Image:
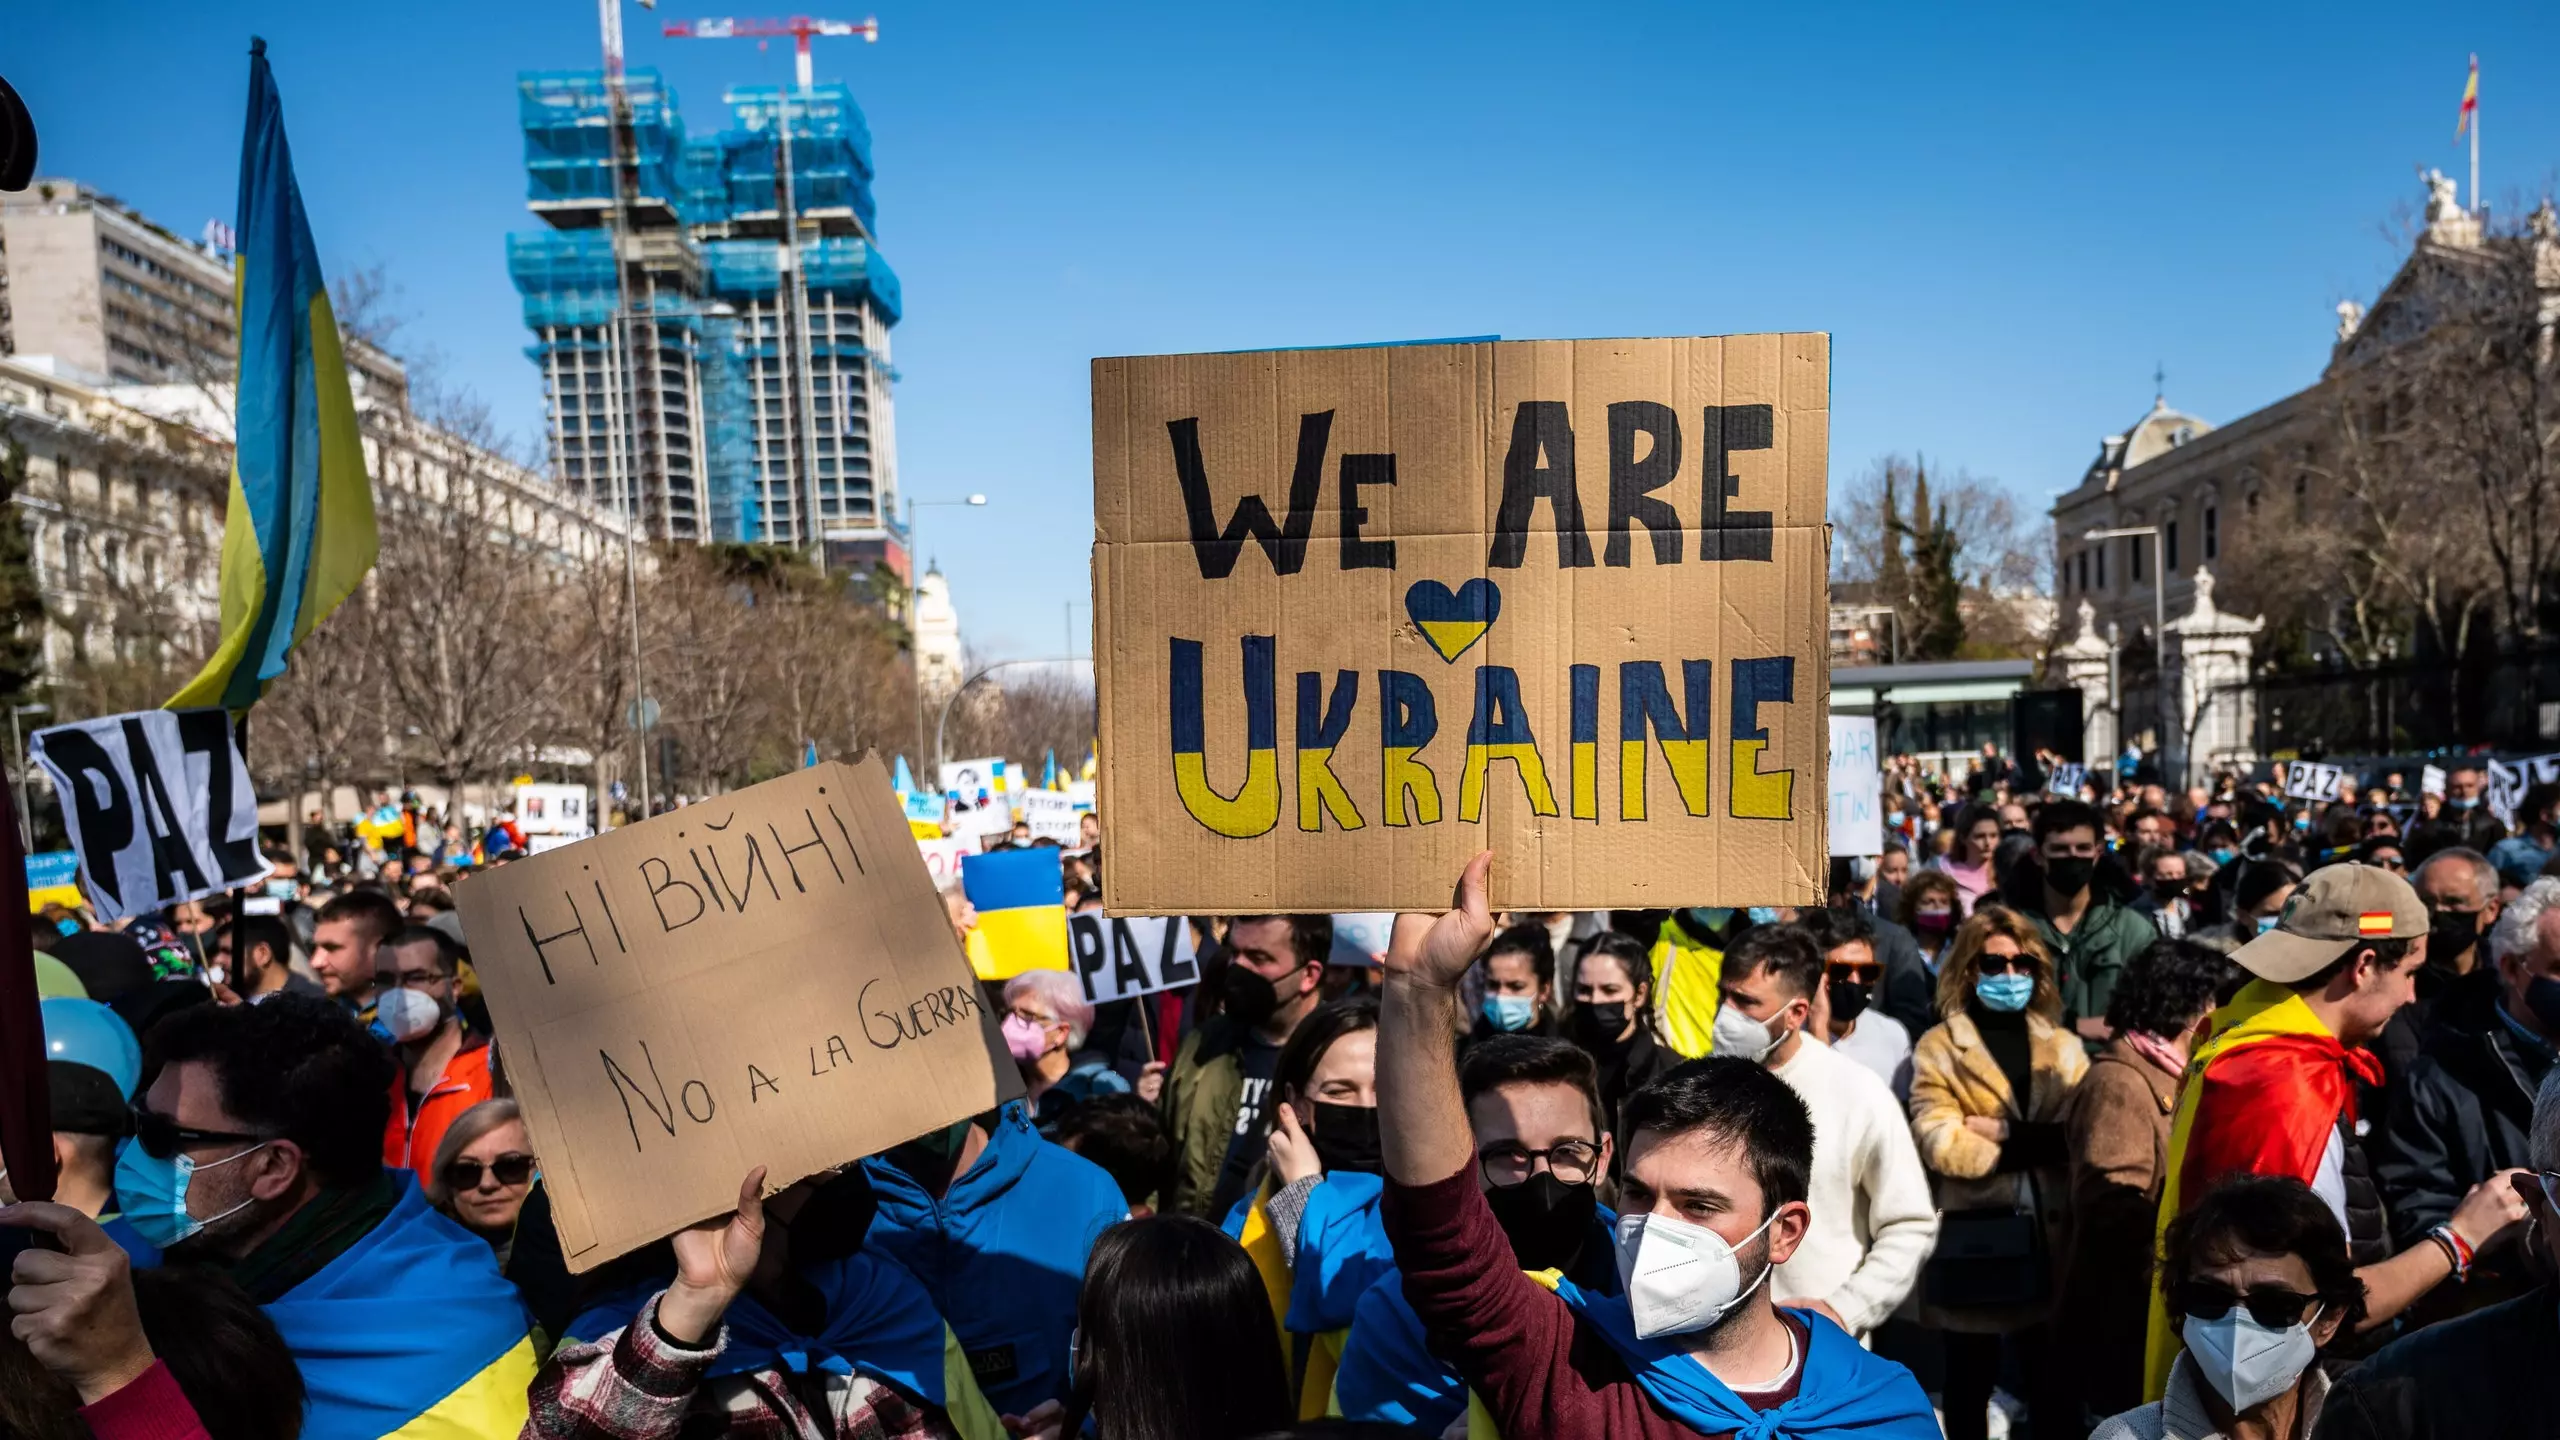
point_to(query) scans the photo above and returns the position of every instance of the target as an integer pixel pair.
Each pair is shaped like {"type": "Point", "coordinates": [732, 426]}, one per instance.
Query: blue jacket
{"type": "Point", "coordinates": [1002, 1253]}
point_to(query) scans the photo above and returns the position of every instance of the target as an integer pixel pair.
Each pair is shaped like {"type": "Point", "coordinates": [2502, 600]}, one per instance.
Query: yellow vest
{"type": "Point", "coordinates": [1686, 975]}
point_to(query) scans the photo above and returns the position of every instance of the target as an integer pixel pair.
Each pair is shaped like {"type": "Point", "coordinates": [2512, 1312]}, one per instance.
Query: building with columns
{"type": "Point", "coordinates": [2198, 488]}
{"type": "Point", "coordinates": [939, 662]}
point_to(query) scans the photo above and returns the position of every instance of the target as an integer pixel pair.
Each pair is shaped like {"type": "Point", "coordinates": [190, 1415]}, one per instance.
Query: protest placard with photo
{"type": "Point", "coordinates": [763, 978]}
{"type": "Point", "coordinates": [973, 792]}
{"type": "Point", "coordinates": [1564, 600]}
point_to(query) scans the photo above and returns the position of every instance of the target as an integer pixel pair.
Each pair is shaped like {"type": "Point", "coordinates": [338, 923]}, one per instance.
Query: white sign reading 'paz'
{"type": "Point", "coordinates": [159, 807]}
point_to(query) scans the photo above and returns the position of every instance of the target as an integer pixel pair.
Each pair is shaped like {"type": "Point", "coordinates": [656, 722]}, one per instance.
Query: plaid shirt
{"type": "Point", "coordinates": [637, 1384]}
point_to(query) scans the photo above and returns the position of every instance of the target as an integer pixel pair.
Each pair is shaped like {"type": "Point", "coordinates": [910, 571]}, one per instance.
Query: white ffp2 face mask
{"type": "Point", "coordinates": [1742, 1037]}
{"type": "Point", "coordinates": [1679, 1277]}
{"type": "Point", "coordinates": [2246, 1363]}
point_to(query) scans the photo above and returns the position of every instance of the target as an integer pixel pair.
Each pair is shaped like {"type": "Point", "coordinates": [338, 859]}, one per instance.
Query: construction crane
{"type": "Point", "coordinates": [799, 27]}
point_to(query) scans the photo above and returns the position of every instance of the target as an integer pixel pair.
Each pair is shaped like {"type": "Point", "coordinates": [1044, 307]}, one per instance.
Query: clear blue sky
{"type": "Point", "coordinates": [2004, 219]}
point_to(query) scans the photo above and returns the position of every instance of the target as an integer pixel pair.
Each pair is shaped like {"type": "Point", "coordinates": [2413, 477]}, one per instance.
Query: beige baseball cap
{"type": "Point", "coordinates": [2338, 908]}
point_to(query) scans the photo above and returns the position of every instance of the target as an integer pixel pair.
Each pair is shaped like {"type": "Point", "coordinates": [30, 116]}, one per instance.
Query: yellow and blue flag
{"type": "Point", "coordinates": [1021, 900]}
{"type": "Point", "coordinates": [299, 533]}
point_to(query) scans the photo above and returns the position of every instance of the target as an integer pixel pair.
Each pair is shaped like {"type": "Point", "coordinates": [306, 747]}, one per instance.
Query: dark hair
{"type": "Point", "coordinates": [2149, 855]}
{"type": "Point", "coordinates": [2148, 812]}
{"type": "Point", "coordinates": [223, 1351]}
{"type": "Point", "coordinates": [1315, 1035]}
{"type": "Point", "coordinates": [1787, 952]}
{"type": "Point", "coordinates": [2062, 813]}
{"type": "Point", "coordinates": [1532, 1060]}
{"type": "Point", "coordinates": [2387, 953]}
{"type": "Point", "coordinates": [293, 1066]}
{"type": "Point", "coordinates": [1630, 954]}
{"type": "Point", "coordinates": [1125, 1136]}
{"type": "Point", "coordinates": [2165, 987]}
{"type": "Point", "coordinates": [250, 931]}
{"type": "Point", "coordinates": [447, 953]}
{"type": "Point", "coordinates": [1310, 936]}
{"type": "Point", "coordinates": [1924, 883]}
{"type": "Point", "coordinates": [1529, 940]}
{"type": "Point", "coordinates": [369, 909]}
{"type": "Point", "coordinates": [2266, 1215]}
{"type": "Point", "coordinates": [1175, 1340]}
{"type": "Point", "coordinates": [2259, 879]}
{"type": "Point", "coordinates": [1741, 1103]}
{"type": "Point", "coordinates": [1974, 813]}
{"type": "Point", "coordinates": [1832, 928]}
{"type": "Point", "coordinates": [432, 897]}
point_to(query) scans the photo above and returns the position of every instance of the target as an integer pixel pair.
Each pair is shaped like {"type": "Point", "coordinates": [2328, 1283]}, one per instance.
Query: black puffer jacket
{"type": "Point", "coordinates": [2486, 1374]}
{"type": "Point", "coordinates": [2462, 1113]}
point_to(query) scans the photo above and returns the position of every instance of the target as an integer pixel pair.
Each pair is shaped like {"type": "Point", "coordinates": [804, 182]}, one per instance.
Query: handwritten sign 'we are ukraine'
{"type": "Point", "coordinates": [1367, 611]}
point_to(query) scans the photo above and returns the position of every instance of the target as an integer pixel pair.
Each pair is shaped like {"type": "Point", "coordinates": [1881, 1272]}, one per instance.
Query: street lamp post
{"type": "Point", "coordinates": [17, 740]}
{"type": "Point", "coordinates": [2159, 632]}
{"type": "Point", "coordinates": [915, 600]}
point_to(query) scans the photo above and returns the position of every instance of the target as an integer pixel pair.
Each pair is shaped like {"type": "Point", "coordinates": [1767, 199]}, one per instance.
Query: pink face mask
{"type": "Point", "coordinates": [1027, 1039]}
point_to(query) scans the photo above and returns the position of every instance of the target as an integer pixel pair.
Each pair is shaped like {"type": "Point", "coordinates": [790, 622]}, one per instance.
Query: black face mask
{"type": "Point", "coordinates": [1346, 1138]}
{"type": "Point", "coordinates": [2069, 874]}
{"type": "Point", "coordinates": [1250, 998]}
{"type": "Point", "coordinates": [2169, 891]}
{"type": "Point", "coordinates": [1597, 1027]}
{"type": "Point", "coordinates": [2449, 933]}
{"type": "Point", "coordinates": [833, 1222]}
{"type": "Point", "coordinates": [1849, 998]}
{"type": "Point", "coordinates": [1548, 1221]}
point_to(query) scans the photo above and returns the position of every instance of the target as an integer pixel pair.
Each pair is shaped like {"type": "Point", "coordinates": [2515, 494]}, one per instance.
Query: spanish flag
{"type": "Point", "coordinates": [2470, 101]}
{"type": "Point", "coordinates": [2262, 1096]}
{"type": "Point", "coordinates": [1021, 900]}
{"type": "Point", "coordinates": [299, 534]}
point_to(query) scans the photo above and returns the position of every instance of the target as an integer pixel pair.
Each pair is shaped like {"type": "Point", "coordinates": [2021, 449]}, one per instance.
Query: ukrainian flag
{"type": "Point", "coordinates": [299, 534]}
{"type": "Point", "coordinates": [1021, 900]}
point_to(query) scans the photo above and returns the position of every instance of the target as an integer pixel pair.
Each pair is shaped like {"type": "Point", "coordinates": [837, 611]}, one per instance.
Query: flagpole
{"type": "Point", "coordinates": [2476, 207]}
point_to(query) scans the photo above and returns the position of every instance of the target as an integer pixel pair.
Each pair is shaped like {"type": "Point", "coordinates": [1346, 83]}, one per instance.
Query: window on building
{"type": "Point", "coordinates": [2084, 572]}
{"type": "Point", "coordinates": [2169, 538]}
{"type": "Point", "coordinates": [2212, 539]}
{"type": "Point", "coordinates": [2133, 545]}
{"type": "Point", "coordinates": [2102, 565]}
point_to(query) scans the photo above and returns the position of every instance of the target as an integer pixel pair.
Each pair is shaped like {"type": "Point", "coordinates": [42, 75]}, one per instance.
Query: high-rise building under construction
{"type": "Point", "coordinates": [730, 379]}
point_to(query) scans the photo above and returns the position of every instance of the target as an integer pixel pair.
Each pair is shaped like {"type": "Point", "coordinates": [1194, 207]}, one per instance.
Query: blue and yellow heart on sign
{"type": "Point", "coordinates": [1453, 620]}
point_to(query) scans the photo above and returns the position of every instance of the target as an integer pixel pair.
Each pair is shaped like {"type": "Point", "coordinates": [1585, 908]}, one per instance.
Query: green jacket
{"type": "Point", "coordinates": [1202, 1093]}
{"type": "Point", "coordinates": [2087, 961]}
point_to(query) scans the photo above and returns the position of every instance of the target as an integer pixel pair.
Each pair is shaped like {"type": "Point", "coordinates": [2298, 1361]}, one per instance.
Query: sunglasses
{"type": "Point", "coordinates": [161, 1136]}
{"type": "Point", "coordinates": [2272, 1306]}
{"type": "Point", "coordinates": [510, 1170]}
{"type": "Point", "coordinates": [2004, 965]}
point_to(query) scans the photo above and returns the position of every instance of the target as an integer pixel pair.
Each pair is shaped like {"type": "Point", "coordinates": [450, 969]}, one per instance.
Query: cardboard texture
{"type": "Point", "coordinates": [1366, 611]}
{"type": "Point", "coordinates": [767, 978]}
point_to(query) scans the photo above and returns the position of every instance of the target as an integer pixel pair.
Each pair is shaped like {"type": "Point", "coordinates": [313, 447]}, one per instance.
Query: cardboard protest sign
{"type": "Point", "coordinates": [1051, 816]}
{"type": "Point", "coordinates": [553, 810]}
{"type": "Point", "coordinates": [766, 978]}
{"type": "Point", "coordinates": [2066, 778]}
{"type": "Point", "coordinates": [2509, 779]}
{"type": "Point", "coordinates": [1360, 936]}
{"type": "Point", "coordinates": [1857, 787]}
{"type": "Point", "coordinates": [53, 878]}
{"type": "Point", "coordinates": [159, 807]}
{"type": "Point", "coordinates": [2431, 780]}
{"type": "Point", "coordinates": [1130, 955]}
{"type": "Point", "coordinates": [1443, 578]}
{"type": "Point", "coordinates": [2310, 780]}
{"type": "Point", "coordinates": [973, 792]}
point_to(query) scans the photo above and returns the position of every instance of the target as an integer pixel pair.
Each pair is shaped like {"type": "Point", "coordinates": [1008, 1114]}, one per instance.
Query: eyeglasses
{"type": "Point", "coordinates": [1572, 1161]}
{"type": "Point", "coordinates": [2004, 964]}
{"type": "Point", "coordinates": [2272, 1306]}
{"type": "Point", "coordinates": [510, 1170]}
{"type": "Point", "coordinates": [1854, 974]}
{"type": "Point", "coordinates": [161, 1136]}
{"type": "Point", "coordinates": [1032, 1017]}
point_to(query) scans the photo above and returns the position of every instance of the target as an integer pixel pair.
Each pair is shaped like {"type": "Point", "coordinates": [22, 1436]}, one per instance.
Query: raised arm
{"type": "Point", "coordinates": [1421, 1120]}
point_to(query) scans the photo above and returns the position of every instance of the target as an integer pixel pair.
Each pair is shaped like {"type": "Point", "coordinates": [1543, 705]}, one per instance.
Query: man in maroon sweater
{"type": "Point", "coordinates": [1712, 1197]}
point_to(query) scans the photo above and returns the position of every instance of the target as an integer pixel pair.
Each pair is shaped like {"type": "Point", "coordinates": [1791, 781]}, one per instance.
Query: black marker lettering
{"type": "Point", "coordinates": [625, 1087]}
{"type": "Point", "coordinates": [758, 1080]}
{"type": "Point", "coordinates": [659, 884]}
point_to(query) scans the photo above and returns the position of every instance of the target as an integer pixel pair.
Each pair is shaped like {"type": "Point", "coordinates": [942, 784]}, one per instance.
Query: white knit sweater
{"type": "Point", "coordinates": [1873, 1223]}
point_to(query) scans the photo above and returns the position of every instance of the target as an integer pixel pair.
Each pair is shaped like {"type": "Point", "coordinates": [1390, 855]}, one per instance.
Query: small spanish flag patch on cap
{"type": "Point", "coordinates": [2374, 922]}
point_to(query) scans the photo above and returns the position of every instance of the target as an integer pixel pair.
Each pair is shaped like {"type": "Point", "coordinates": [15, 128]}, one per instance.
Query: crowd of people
{"type": "Point", "coordinates": [2118, 1112]}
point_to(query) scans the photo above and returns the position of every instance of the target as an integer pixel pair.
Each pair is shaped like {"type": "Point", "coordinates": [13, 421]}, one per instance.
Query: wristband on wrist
{"type": "Point", "coordinates": [2456, 1249]}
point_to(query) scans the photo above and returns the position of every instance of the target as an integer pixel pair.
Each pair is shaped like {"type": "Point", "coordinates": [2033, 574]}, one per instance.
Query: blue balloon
{"type": "Point", "coordinates": [88, 1033]}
